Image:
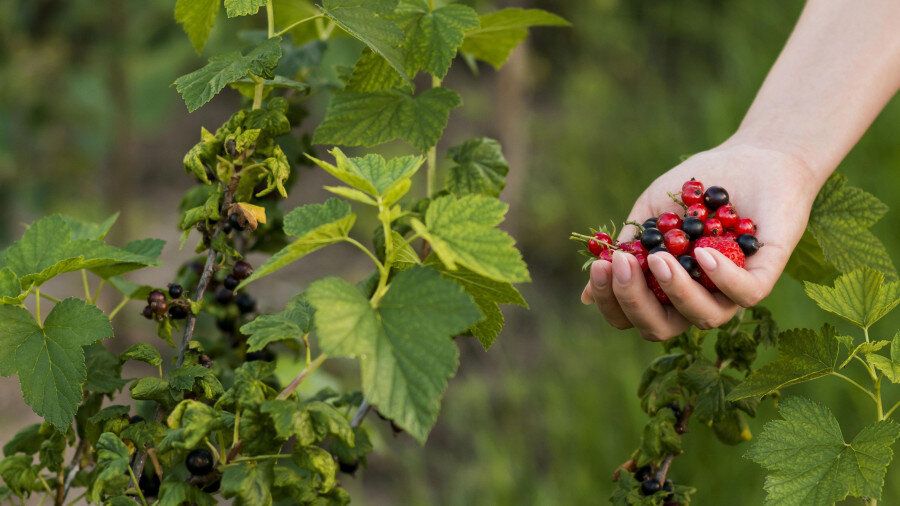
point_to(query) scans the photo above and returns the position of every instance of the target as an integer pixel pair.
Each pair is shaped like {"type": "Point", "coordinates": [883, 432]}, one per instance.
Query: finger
{"type": "Point", "coordinates": [745, 287]}
{"type": "Point", "coordinates": [690, 298]}
{"type": "Point", "coordinates": [602, 295]}
{"type": "Point", "coordinates": [654, 321]}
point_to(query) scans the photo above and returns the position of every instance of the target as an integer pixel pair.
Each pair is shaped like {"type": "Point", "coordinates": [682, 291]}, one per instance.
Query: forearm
{"type": "Point", "coordinates": [839, 68]}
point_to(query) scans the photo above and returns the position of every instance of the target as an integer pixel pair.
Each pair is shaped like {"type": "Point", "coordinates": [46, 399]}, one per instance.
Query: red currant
{"type": "Point", "coordinates": [601, 244]}
{"type": "Point", "coordinates": [745, 226]}
{"type": "Point", "coordinates": [728, 234]}
{"type": "Point", "coordinates": [698, 211]}
{"type": "Point", "coordinates": [677, 242]}
{"type": "Point", "coordinates": [642, 260]}
{"type": "Point", "coordinates": [692, 192]}
{"type": "Point", "coordinates": [728, 216]}
{"type": "Point", "coordinates": [668, 221]}
{"type": "Point", "coordinates": [712, 227]}
{"type": "Point", "coordinates": [606, 255]}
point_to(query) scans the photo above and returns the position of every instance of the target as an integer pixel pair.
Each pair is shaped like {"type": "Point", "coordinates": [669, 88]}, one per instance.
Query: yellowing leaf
{"type": "Point", "coordinates": [861, 296]}
{"type": "Point", "coordinates": [500, 32]}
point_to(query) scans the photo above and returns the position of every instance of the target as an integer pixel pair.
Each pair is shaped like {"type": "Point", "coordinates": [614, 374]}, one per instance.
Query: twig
{"type": "Point", "coordinates": [74, 467]}
{"type": "Point", "coordinates": [361, 413]}
{"type": "Point", "coordinates": [288, 390]}
{"type": "Point", "coordinates": [664, 469]}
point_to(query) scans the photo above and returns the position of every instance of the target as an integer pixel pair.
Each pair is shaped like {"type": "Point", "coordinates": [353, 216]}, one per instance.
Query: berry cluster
{"type": "Point", "coordinates": [159, 307]}
{"type": "Point", "coordinates": [650, 485]}
{"type": "Point", "coordinates": [710, 220]}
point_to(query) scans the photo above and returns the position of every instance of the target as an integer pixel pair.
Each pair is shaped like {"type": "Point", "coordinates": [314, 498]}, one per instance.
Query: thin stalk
{"type": "Point", "coordinates": [38, 293]}
{"type": "Point", "coordinates": [115, 311]}
{"type": "Point", "coordinates": [368, 253]}
{"type": "Point", "coordinates": [137, 487]}
{"type": "Point", "coordinates": [258, 91]}
{"type": "Point", "coordinates": [46, 486]}
{"type": "Point", "coordinates": [263, 457]}
{"type": "Point", "coordinates": [87, 287]}
{"type": "Point", "coordinates": [308, 351]}
{"type": "Point", "coordinates": [97, 292]}
{"type": "Point", "coordinates": [857, 385]}
{"type": "Point", "coordinates": [297, 23]}
{"type": "Point", "coordinates": [302, 376]}
{"type": "Point", "coordinates": [270, 17]}
{"type": "Point", "coordinates": [866, 333]}
{"type": "Point", "coordinates": [80, 497]}
{"type": "Point", "coordinates": [878, 406]}
{"type": "Point", "coordinates": [891, 411]}
{"type": "Point", "coordinates": [361, 413]}
{"type": "Point", "coordinates": [37, 305]}
{"type": "Point", "coordinates": [431, 157]}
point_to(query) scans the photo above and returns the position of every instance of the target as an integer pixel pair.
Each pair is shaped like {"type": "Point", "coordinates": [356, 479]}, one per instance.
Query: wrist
{"type": "Point", "coordinates": [795, 154]}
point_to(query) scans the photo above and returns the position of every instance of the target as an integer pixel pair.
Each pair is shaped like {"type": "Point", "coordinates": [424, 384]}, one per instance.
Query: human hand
{"type": "Point", "coordinates": [774, 189]}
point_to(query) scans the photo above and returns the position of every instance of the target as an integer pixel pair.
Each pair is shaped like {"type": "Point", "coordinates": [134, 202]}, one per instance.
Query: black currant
{"type": "Point", "coordinates": [212, 486]}
{"type": "Point", "coordinates": [651, 238]}
{"type": "Point", "coordinates": [715, 197]}
{"type": "Point", "coordinates": [235, 222]}
{"type": "Point", "coordinates": [149, 485]}
{"type": "Point", "coordinates": [690, 265]}
{"type": "Point", "coordinates": [227, 228]}
{"type": "Point", "coordinates": [147, 312]}
{"type": "Point", "coordinates": [693, 227]}
{"type": "Point", "coordinates": [650, 487]}
{"type": "Point", "coordinates": [668, 486]}
{"type": "Point", "coordinates": [650, 223]}
{"type": "Point", "coordinates": [156, 296]}
{"type": "Point", "coordinates": [175, 290]}
{"type": "Point", "coordinates": [749, 244]}
{"type": "Point", "coordinates": [225, 325]}
{"type": "Point", "coordinates": [245, 303]}
{"type": "Point", "coordinates": [263, 355]}
{"type": "Point", "coordinates": [199, 462]}
{"type": "Point", "coordinates": [159, 308]}
{"type": "Point", "coordinates": [348, 467]}
{"type": "Point", "coordinates": [643, 473]}
{"type": "Point", "coordinates": [136, 419]}
{"type": "Point", "coordinates": [224, 297]}
{"type": "Point", "coordinates": [231, 148]}
{"type": "Point", "coordinates": [657, 249]}
{"type": "Point", "coordinates": [242, 270]}
{"type": "Point", "coordinates": [178, 312]}
{"type": "Point", "coordinates": [230, 282]}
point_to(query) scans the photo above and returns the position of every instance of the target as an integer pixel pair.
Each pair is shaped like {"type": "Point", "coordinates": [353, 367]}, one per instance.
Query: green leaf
{"type": "Point", "coordinates": [27, 441]}
{"type": "Point", "coordinates": [292, 323]}
{"type": "Point", "coordinates": [840, 220]}
{"type": "Point", "coordinates": [461, 231]}
{"type": "Point", "coordinates": [367, 21]}
{"type": "Point", "coordinates": [659, 437]}
{"type": "Point", "coordinates": [318, 462]}
{"type": "Point", "coordinates": [142, 352]}
{"type": "Point", "coordinates": [50, 361]}
{"type": "Point", "coordinates": [314, 226]}
{"type": "Point", "coordinates": [18, 473]}
{"type": "Point", "coordinates": [250, 483]}
{"type": "Point", "coordinates": [480, 168]}
{"type": "Point", "coordinates": [373, 73]}
{"type": "Point", "coordinates": [104, 372]}
{"type": "Point", "coordinates": [810, 462]}
{"type": "Point", "coordinates": [177, 492]}
{"type": "Point", "coordinates": [112, 463]}
{"type": "Point", "coordinates": [372, 174]}
{"type": "Point", "coordinates": [434, 35]}
{"type": "Point", "coordinates": [290, 420]}
{"type": "Point", "coordinates": [889, 366]}
{"type": "Point", "coordinates": [192, 421]}
{"type": "Point", "coordinates": [487, 294]}
{"type": "Point", "coordinates": [403, 343]}
{"type": "Point", "coordinates": [807, 262]}
{"type": "Point", "coordinates": [500, 32]}
{"type": "Point", "coordinates": [10, 288]}
{"type": "Point", "coordinates": [711, 387]}
{"type": "Point", "coordinates": [861, 296]}
{"type": "Point", "coordinates": [150, 388]}
{"type": "Point", "coordinates": [235, 8]}
{"type": "Point", "coordinates": [804, 355]}
{"type": "Point", "coordinates": [144, 433]}
{"type": "Point", "coordinates": [110, 412]}
{"type": "Point", "coordinates": [197, 17]}
{"type": "Point", "coordinates": [369, 119]}
{"type": "Point", "coordinates": [200, 86]}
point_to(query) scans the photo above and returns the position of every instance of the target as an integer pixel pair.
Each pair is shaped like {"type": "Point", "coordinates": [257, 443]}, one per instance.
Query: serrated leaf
{"type": "Point", "coordinates": [10, 288]}
{"type": "Point", "coordinates": [373, 73]}
{"type": "Point", "coordinates": [197, 17]}
{"type": "Point", "coordinates": [50, 361]}
{"type": "Point", "coordinates": [314, 226]}
{"type": "Point", "coordinates": [200, 86]}
{"type": "Point", "coordinates": [150, 388]}
{"type": "Point", "coordinates": [372, 173]}
{"type": "Point", "coordinates": [487, 293]}
{"type": "Point", "coordinates": [500, 32]}
{"type": "Point", "coordinates": [175, 491]}
{"type": "Point", "coordinates": [659, 437]}
{"type": "Point", "coordinates": [366, 20]}
{"type": "Point", "coordinates": [889, 366]}
{"type": "Point", "coordinates": [250, 483]}
{"type": "Point", "coordinates": [804, 354]}
{"type": "Point", "coordinates": [144, 433]}
{"type": "Point", "coordinates": [18, 473]}
{"type": "Point", "coordinates": [290, 420]}
{"type": "Point", "coordinates": [292, 323]}
{"type": "Point", "coordinates": [191, 421]}
{"type": "Point", "coordinates": [112, 463]}
{"type": "Point", "coordinates": [142, 352]}
{"type": "Point", "coordinates": [480, 168]}
{"type": "Point", "coordinates": [711, 387]}
{"type": "Point", "coordinates": [462, 231]}
{"type": "Point", "coordinates": [810, 462]}
{"type": "Point", "coordinates": [236, 8]}
{"type": "Point", "coordinates": [403, 343]}
{"type": "Point", "coordinates": [807, 262]}
{"type": "Point", "coordinates": [110, 412]}
{"type": "Point", "coordinates": [28, 440]}
{"type": "Point", "coordinates": [318, 462]}
{"type": "Point", "coordinates": [104, 372]}
{"type": "Point", "coordinates": [434, 35]}
{"type": "Point", "coordinates": [369, 119]}
{"type": "Point", "coordinates": [862, 349]}
{"type": "Point", "coordinates": [861, 296]}
{"type": "Point", "coordinates": [840, 219]}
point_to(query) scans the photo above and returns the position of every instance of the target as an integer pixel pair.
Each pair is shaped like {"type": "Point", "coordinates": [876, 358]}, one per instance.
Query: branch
{"type": "Point", "coordinates": [74, 467]}
{"type": "Point", "coordinates": [361, 413]}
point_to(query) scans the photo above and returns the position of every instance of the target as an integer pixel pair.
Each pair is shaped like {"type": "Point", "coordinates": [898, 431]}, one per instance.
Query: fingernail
{"type": "Point", "coordinates": [660, 269]}
{"type": "Point", "coordinates": [706, 261]}
{"type": "Point", "coordinates": [599, 275]}
{"type": "Point", "coordinates": [621, 268]}
{"type": "Point", "coordinates": [587, 296]}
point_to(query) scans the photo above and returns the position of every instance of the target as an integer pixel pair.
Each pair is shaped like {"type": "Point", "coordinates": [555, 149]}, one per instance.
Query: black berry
{"type": "Point", "coordinates": [212, 486]}
{"type": "Point", "coordinates": [227, 228]}
{"type": "Point", "coordinates": [245, 303]}
{"type": "Point", "coordinates": [235, 222]}
{"type": "Point", "coordinates": [149, 485]}
{"type": "Point", "coordinates": [136, 419]}
{"type": "Point", "coordinates": [159, 308]}
{"type": "Point", "coordinates": [178, 312]}
{"type": "Point", "coordinates": [650, 223]}
{"type": "Point", "coordinates": [242, 270]}
{"type": "Point", "coordinates": [690, 265]}
{"type": "Point", "coordinates": [263, 355]}
{"type": "Point", "coordinates": [658, 249]}
{"type": "Point", "coordinates": [643, 473]}
{"type": "Point", "coordinates": [147, 312]}
{"type": "Point", "coordinates": [231, 148]}
{"type": "Point", "coordinates": [668, 486]}
{"type": "Point", "coordinates": [199, 462]}
{"type": "Point", "coordinates": [231, 282]}
{"type": "Point", "coordinates": [650, 487]}
{"type": "Point", "coordinates": [175, 290]}
{"type": "Point", "coordinates": [715, 197]}
{"type": "Point", "coordinates": [748, 243]}
{"type": "Point", "coordinates": [224, 296]}
{"type": "Point", "coordinates": [225, 325]}
{"type": "Point", "coordinates": [156, 296]}
{"type": "Point", "coordinates": [693, 227]}
{"type": "Point", "coordinates": [651, 238]}
{"type": "Point", "coordinates": [348, 467]}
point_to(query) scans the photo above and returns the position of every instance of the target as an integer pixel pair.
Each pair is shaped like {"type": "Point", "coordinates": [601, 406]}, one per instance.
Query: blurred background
{"type": "Point", "coordinates": [588, 116]}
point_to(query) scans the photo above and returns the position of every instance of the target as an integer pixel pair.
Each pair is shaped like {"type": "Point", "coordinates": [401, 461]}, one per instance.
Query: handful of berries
{"type": "Point", "coordinates": [710, 220]}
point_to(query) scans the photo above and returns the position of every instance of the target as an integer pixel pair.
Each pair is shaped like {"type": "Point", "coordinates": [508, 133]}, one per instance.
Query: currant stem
{"type": "Point", "coordinates": [891, 411]}
{"type": "Point", "coordinates": [270, 17]}
{"type": "Point", "coordinates": [87, 287]}
{"type": "Point", "coordinates": [302, 376]}
{"type": "Point", "coordinates": [115, 311]}
{"type": "Point", "coordinates": [857, 385]}
{"type": "Point", "coordinates": [137, 487]}
{"type": "Point", "coordinates": [38, 293]}
{"type": "Point", "coordinates": [97, 291]}
{"type": "Point", "coordinates": [431, 158]}
{"type": "Point", "coordinates": [361, 413]}
{"type": "Point", "coordinates": [297, 23]}
{"type": "Point", "coordinates": [365, 250]}
{"type": "Point", "coordinates": [37, 305]}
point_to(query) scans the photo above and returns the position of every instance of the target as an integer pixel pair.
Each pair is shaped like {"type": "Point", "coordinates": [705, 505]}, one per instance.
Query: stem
{"type": "Point", "coordinates": [263, 457]}
{"type": "Point", "coordinates": [87, 287]}
{"type": "Point", "coordinates": [115, 311]}
{"type": "Point", "coordinates": [44, 483]}
{"type": "Point", "coordinates": [74, 466]}
{"type": "Point", "coordinates": [431, 159]}
{"type": "Point", "coordinates": [857, 385]}
{"type": "Point", "coordinates": [78, 498]}
{"type": "Point", "coordinates": [99, 287]}
{"type": "Point", "coordinates": [891, 411]}
{"type": "Point", "coordinates": [258, 91]}
{"type": "Point", "coordinates": [137, 487]}
{"type": "Point", "coordinates": [38, 293]}
{"type": "Point", "coordinates": [270, 17]}
{"type": "Point", "coordinates": [297, 23]}
{"type": "Point", "coordinates": [866, 333]}
{"type": "Point", "coordinates": [361, 413]}
{"type": "Point", "coordinates": [37, 305]}
{"type": "Point", "coordinates": [302, 376]}
{"type": "Point", "coordinates": [365, 250]}
{"type": "Point", "coordinates": [308, 351]}
{"type": "Point", "coordinates": [878, 406]}
{"type": "Point", "coordinates": [664, 469]}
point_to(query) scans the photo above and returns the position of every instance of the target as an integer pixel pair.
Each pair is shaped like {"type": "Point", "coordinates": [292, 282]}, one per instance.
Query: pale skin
{"type": "Point", "coordinates": [838, 70]}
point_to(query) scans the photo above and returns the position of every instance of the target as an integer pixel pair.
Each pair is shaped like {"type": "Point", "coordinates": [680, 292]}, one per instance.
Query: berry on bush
{"type": "Point", "coordinates": [348, 467]}
{"type": "Point", "coordinates": [147, 312]}
{"type": "Point", "coordinates": [668, 221]}
{"type": "Point", "coordinates": [693, 227]}
{"type": "Point", "coordinates": [715, 197]}
{"type": "Point", "coordinates": [156, 296]}
{"type": "Point", "coordinates": [175, 290]}
{"type": "Point", "coordinates": [230, 282]}
{"type": "Point", "coordinates": [650, 487]}
{"type": "Point", "coordinates": [242, 270]}
{"type": "Point", "coordinates": [159, 308]}
{"type": "Point", "coordinates": [178, 312]}
{"type": "Point", "coordinates": [651, 238]}
{"type": "Point", "coordinates": [245, 303]}
{"type": "Point", "coordinates": [224, 296]}
{"type": "Point", "coordinates": [263, 355]}
{"type": "Point", "coordinates": [643, 473]}
{"type": "Point", "coordinates": [199, 462]}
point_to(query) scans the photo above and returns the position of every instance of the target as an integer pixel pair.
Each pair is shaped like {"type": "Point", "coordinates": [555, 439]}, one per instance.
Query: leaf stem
{"type": "Point", "coordinates": [296, 24]}
{"type": "Point", "coordinates": [270, 17]}
{"type": "Point", "coordinates": [361, 413]}
{"type": "Point", "coordinates": [137, 486]}
{"type": "Point", "coordinates": [365, 250]}
{"type": "Point", "coordinates": [857, 385]}
{"type": "Point", "coordinates": [46, 486]}
{"type": "Point", "coordinates": [115, 311]}
{"type": "Point", "coordinates": [258, 91]}
{"type": "Point", "coordinates": [38, 293]}
{"type": "Point", "coordinates": [431, 158]}
{"type": "Point", "coordinates": [87, 287]}
{"type": "Point", "coordinates": [262, 457]}
{"type": "Point", "coordinates": [302, 376]}
{"type": "Point", "coordinates": [99, 287]}
{"type": "Point", "coordinates": [37, 305]}
{"type": "Point", "coordinates": [891, 411]}
{"type": "Point", "coordinates": [878, 405]}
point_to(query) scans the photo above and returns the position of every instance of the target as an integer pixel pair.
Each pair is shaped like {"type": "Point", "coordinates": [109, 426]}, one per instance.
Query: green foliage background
{"type": "Point", "coordinates": [548, 413]}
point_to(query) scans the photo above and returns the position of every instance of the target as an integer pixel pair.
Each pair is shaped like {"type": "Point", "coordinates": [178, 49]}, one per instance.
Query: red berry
{"type": "Point", "coordinates": [698, 211]}
{"type": "Point", "coordinates": [727, 247]}
{"type": "Point", "coordinates": [642, 260]}
{"type": "Point", "coordinates": [728, 216]}
{"type": "Point", "coordinates": [677, 242]}
{"type": "Point", "coordinates": [601, 244]}
{"type": "Point", "coordinates": [745, 226]}
{"type": "Point", "coordinates": [728, 234]}
{"type": "Point", "coordinates": [657, 290]}
{"type": "Point", "coordinates": [606, 255]}
{"type": "Point", "coordinates": [692, 192]}
{"type": "Point", "coordinates": [712, 228]}
{"type": "Point", "coordinates": [668, 221]}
